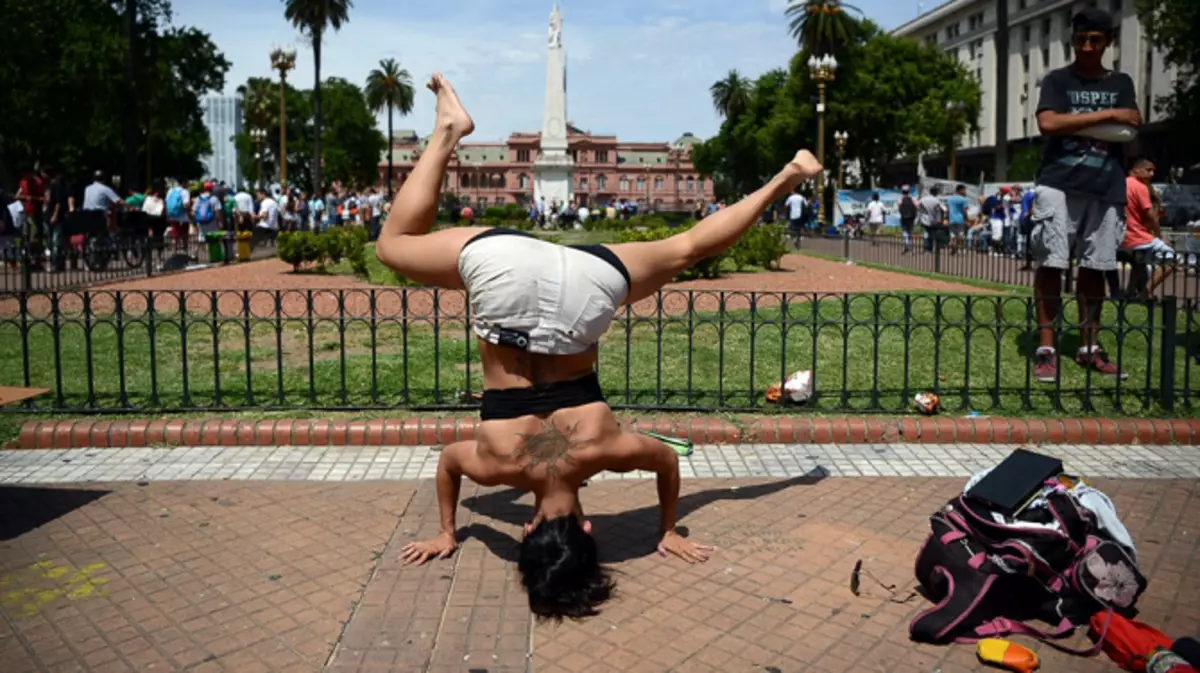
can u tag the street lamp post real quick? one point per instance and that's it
(840, 137)
(283, 59)
(823, 70)
(953, 110)
(259, 136)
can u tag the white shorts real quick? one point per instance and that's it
(560, 299)
(1156, 249)
(997, 229)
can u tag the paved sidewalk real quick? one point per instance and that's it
(221, 574)
(369, 463)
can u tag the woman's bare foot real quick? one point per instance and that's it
(452, 117)
(802, 167)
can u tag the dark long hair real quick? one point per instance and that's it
(561, 571)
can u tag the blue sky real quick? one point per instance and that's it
(637, 68)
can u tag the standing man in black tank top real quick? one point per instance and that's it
(538, 310)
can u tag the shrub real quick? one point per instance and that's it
(762, 246)
(327, 247)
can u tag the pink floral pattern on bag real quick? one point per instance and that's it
(1116, 583)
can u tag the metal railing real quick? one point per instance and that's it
(111, 351)
(963, 259)
(90, 253)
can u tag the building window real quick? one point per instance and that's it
(975, 21)
(601, 182)
(602, 156)
(691, 184)
(498, 181)
(678, 183)
(641, 184)
(624, 183)
(523, 155)
(583, 183)
(658, 184)
(1025, 63)
(1045, 57)
(1046, 27)
(1067, 51)
(952, 31)
(523, 181)
(1021, 5)
(1027, 34)
(575, 156)
(464, 180)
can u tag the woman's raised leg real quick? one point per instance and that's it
(405, 244)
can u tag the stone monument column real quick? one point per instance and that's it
(554, 170)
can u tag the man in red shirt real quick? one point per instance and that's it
(1142, 230)
(31, 191)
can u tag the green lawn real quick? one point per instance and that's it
(872, 353)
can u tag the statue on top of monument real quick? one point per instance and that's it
(555, 28)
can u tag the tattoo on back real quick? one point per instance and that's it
(547, 447)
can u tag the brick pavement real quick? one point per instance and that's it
(267, 583)
(178, 576)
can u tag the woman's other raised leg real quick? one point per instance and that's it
(652, 264)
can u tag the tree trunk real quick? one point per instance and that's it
(389, 142)
(318, 185)
(129, 127)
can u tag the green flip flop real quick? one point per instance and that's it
(683, 447)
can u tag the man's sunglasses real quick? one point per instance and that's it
(1090, 40)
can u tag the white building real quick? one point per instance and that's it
(1011, 44)
(223, 117)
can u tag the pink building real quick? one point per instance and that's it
(655, 175)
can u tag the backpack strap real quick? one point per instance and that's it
(1002, 626)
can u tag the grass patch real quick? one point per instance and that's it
(869, 353)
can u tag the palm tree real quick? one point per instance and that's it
(389, 86)
(313, 17)
(822, 26)
(731, 96)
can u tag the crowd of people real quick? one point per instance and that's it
(46, 221)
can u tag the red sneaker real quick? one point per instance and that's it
(1045, 367)
(1098, 361)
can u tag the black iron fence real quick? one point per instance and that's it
(109, 351)
(93, 251)
(967, 258)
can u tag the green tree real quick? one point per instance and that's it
(353, 143)
(1171, 27)
(389, 86)
(731, 95)
(890, 95)
(63, 64)
(313, 18)
(822, 26)
(260, 110)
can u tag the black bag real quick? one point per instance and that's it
(908, 208)
(988, 579)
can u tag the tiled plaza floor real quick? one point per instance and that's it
(250, 562)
